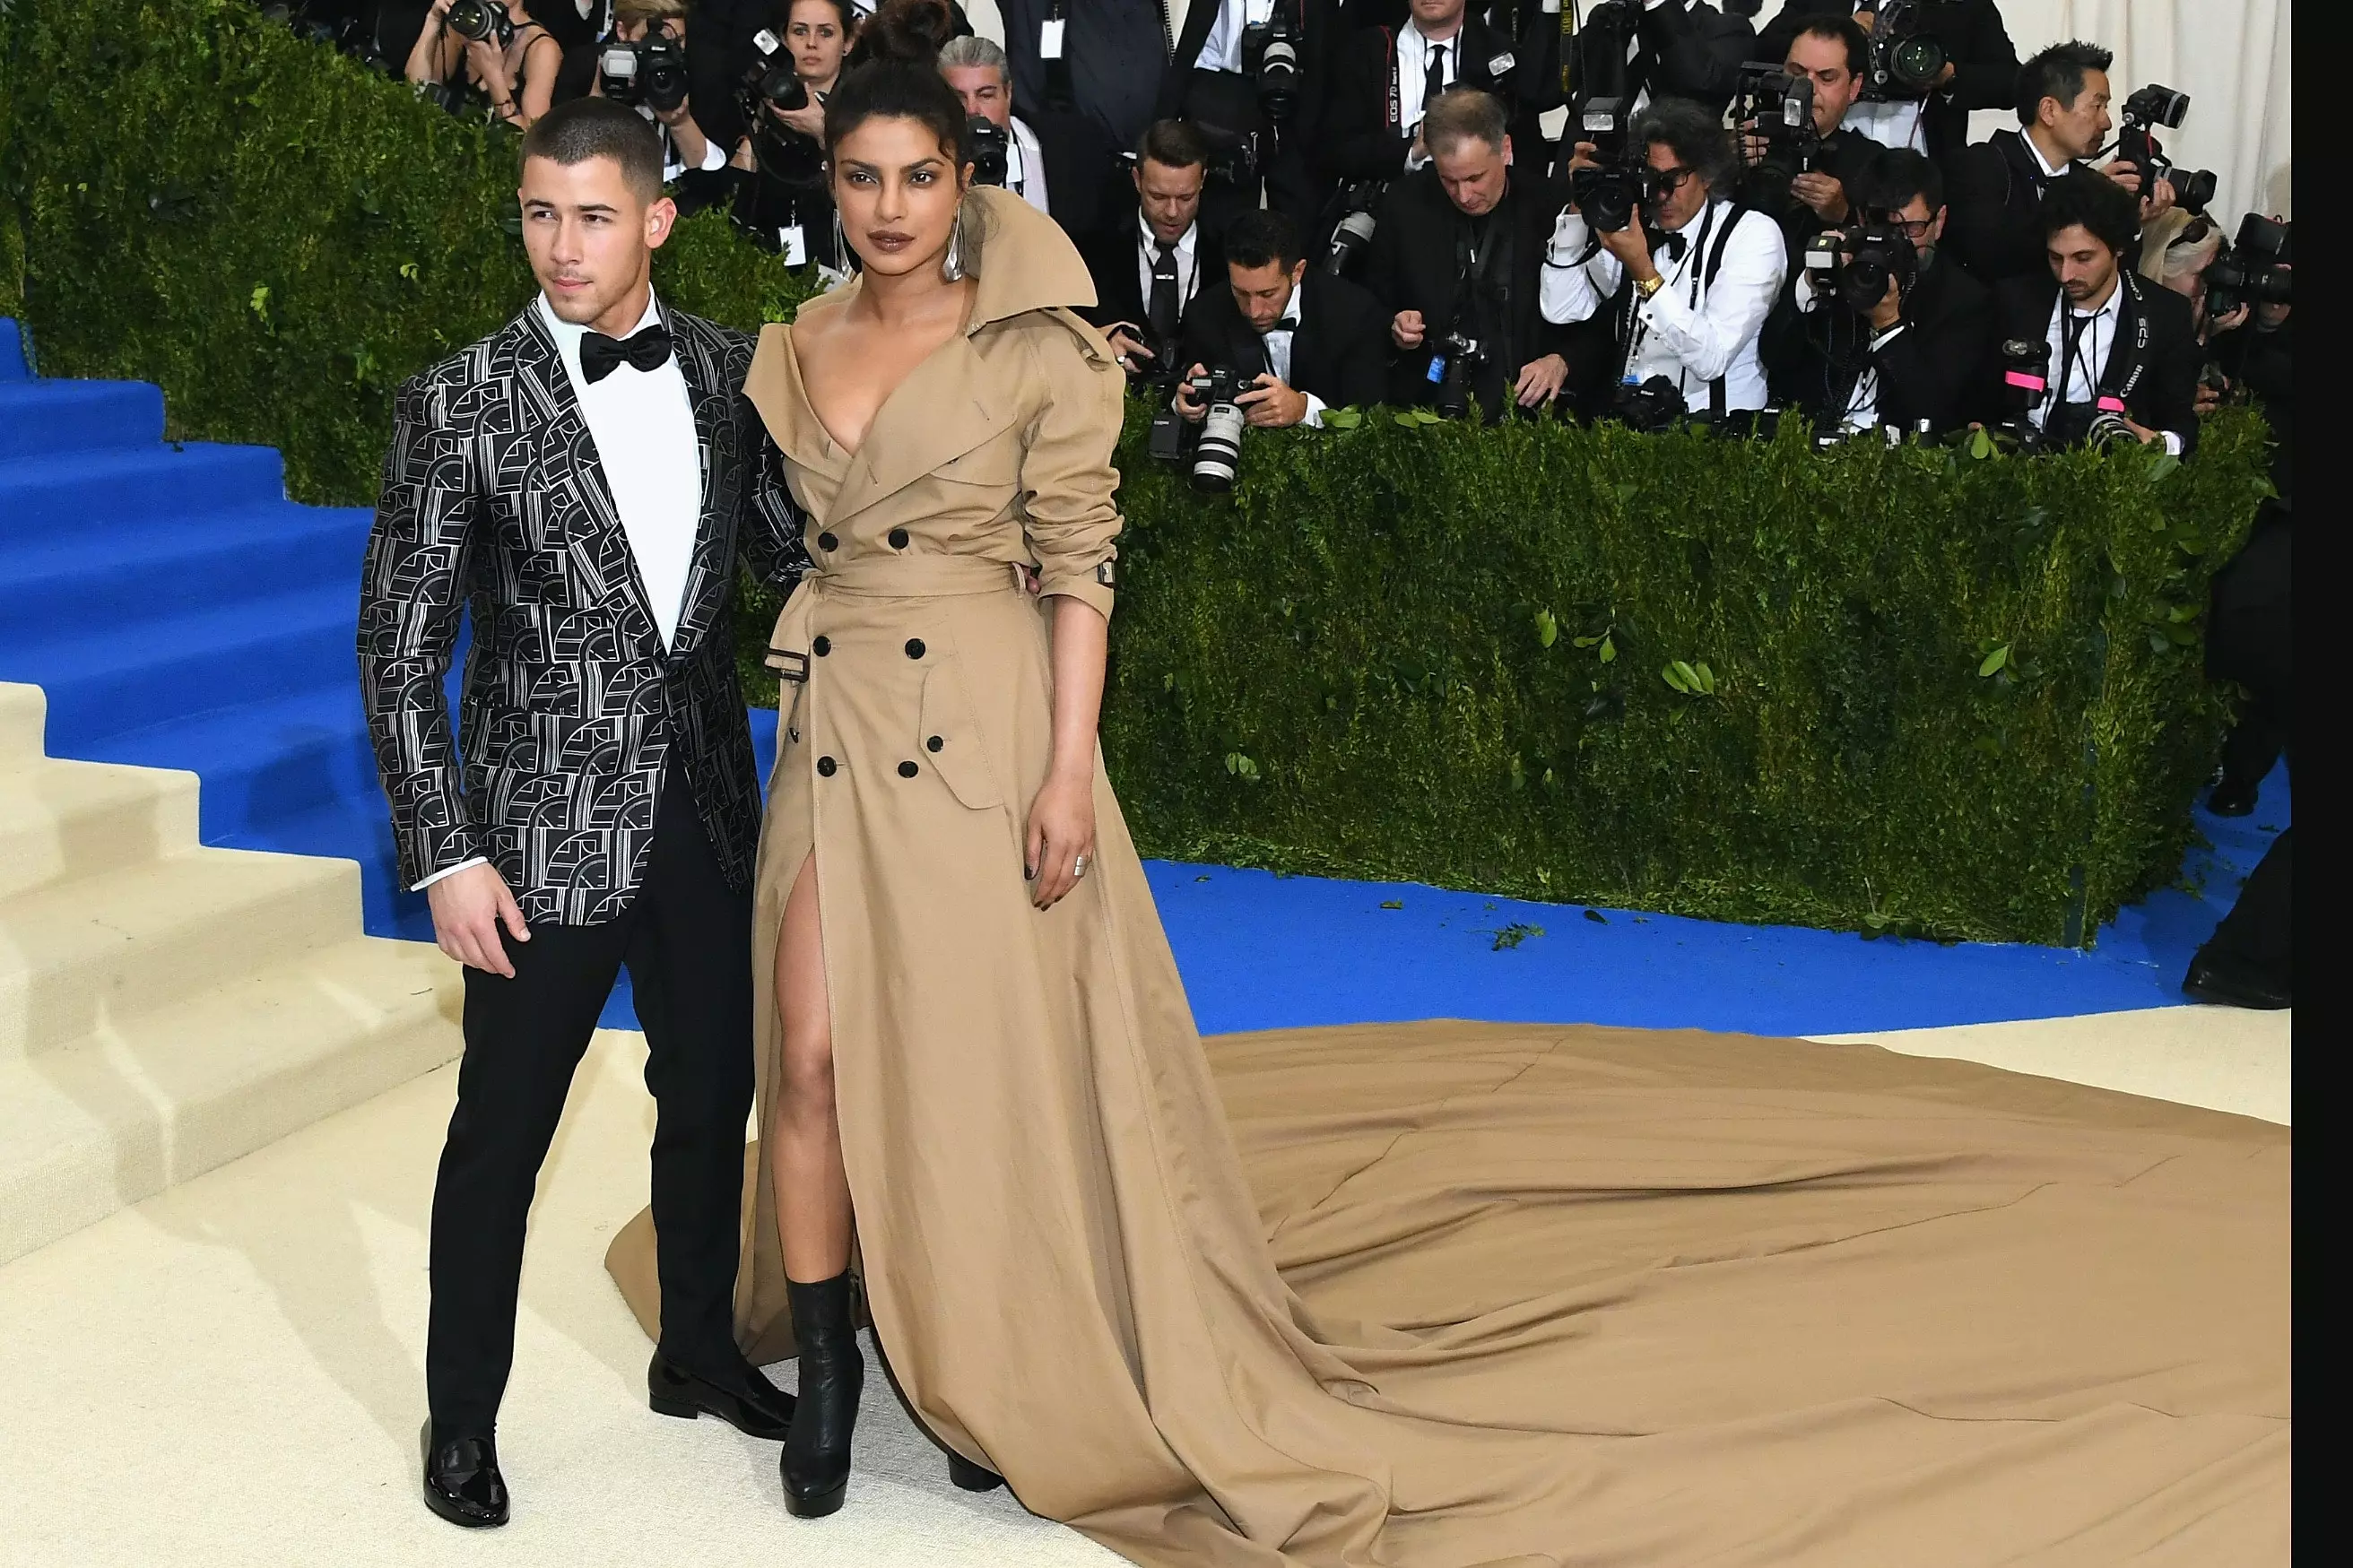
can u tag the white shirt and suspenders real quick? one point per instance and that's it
(642, 424)
(1025, 165)
(1691, 331)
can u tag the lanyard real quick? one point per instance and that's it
(1638, 331)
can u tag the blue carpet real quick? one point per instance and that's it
(181, 613)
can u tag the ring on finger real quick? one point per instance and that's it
(1078, 866)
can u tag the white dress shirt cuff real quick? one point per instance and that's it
(450, 871)
(1314, 418)
(713, 155)
(2172, 441)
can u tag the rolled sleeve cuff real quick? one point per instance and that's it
(1091, 586)
(465, 865)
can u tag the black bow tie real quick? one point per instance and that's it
(1674, 244)
(601, 355)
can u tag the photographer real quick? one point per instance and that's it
(1300, 349)
(1060, 164)
(1382, 81)
(2119, 347)
(1456, 258)
(493, 49)
(1148, 262)
(1885, 344)
(1830, 55)
(1685, 277)
(1256, 120)
(1100, 51)
(1995, 186)
(1979, 70)
(782, 201)
(643, 65)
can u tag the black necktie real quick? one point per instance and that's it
(1435, 82)
(2072, 328)
(1162, 308)
(601, 355)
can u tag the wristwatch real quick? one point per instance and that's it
(1646, 287)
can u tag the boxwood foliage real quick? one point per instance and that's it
(1915, 691)
(274, 233)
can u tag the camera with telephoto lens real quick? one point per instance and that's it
(1271, 54)
(1778, 108)
(990, 145)
(480, 22)
(2256, 269)
(1652, 403)
(652, 71)
(2153, 106)
(1855, 263)
(1905, 57)
(2025, 375)
(1218, 450)
(1607, 196)
(1353, 235)
(1455, 357)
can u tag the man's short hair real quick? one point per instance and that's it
(972, 49)
(1894, 176)
(589, 128)
(1697, 137)
(1175, 144)
(1261, 236)
(649, 10)
(1841, 29)
(2058, 72)
(2100, 205)
(1463, 114)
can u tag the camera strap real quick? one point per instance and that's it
(1396, 104)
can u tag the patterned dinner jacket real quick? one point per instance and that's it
(572, 709)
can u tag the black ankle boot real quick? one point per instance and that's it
(971, 1478)
(816, 1462)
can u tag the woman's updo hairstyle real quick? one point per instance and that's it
(894, 74)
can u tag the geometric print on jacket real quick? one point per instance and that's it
(571, 711)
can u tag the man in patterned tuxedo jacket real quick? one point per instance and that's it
(582, 479)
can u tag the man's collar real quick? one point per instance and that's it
(1185, 241)
(1290, 317)
(2035, 151)
(2105, 307)
(1696, 219)
(1461, 23)
(567, 334)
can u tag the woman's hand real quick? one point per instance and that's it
(486, 64)
(1062, 829)
(808, 120)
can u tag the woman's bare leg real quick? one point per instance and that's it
(805, 1142)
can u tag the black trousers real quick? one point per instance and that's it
(687, 939)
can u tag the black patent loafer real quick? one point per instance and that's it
(971, 1478)
(2232, 797)
(744, 1399)
(462, 1483)
(2215, 980)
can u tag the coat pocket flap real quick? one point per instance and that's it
(950, 739)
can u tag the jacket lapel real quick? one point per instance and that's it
(596, 547)
(705, 373)
(937, 414)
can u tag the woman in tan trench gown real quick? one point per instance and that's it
(1503, 1297)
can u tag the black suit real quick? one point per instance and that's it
(1985, 63)
(1994, 191)
(1111, 255)
(1109, 47)
(2164, 395)
(609, 781)
(1339, 352)
(1935, 369)
(1356, 141)
(1845, 155)
(1415, 264)
(1229, 101)
(1081, 170)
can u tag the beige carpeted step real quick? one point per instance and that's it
(166, 1008)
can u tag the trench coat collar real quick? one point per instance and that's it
(953, 401)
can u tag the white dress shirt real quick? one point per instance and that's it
(1221, 50)
(1025, 165)
(1688, 331)
(2095, 340)
(1413, 77)
(1278, 340)
(1898, 123)
(1189, 271)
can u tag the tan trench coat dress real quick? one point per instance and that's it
(1503, 1297)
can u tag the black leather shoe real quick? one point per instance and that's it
(973, 1477)
(816, 1461)
(462, 1483)
(2217, 979)
(2231, 798)
(742, 1397)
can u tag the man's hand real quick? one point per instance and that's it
(1753, 147)
(1890, 309)
(694, 146)
(2208, 399)
(2230, 321)
(1405, 330)
(1822, 193)
(2144, 432)
(1191, 409)
(1126, 343)
(2158, 198)
(469, 906)
(1582, 156)
(1270, 404)
(1540, 381)
(2125, 172)
(1632, 247)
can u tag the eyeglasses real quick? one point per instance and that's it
(1671, 180)
(1915, 228)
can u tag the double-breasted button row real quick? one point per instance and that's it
(934, 744)
(908, 770)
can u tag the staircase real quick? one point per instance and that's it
(166, 1008)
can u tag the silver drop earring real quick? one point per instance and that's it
(841, 243)
(952, 263)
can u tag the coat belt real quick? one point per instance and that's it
(881, 577)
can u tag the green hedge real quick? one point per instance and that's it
(1909, 690)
